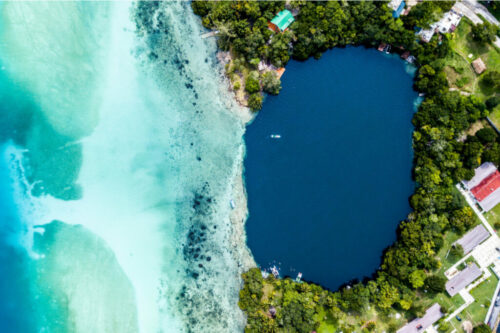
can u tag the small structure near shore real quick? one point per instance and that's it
(383, 47)
(281, 21)
(478, 66)
(279, 72)
(408, 57)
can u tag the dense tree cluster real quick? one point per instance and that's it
(492, 80)
(425, 14)
(443, 155)
(484, 33)
(482, 328)
(271, 83)
(243, 27)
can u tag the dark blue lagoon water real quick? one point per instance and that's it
(326, 198)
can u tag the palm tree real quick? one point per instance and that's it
(225, 34)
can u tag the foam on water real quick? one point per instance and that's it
(129, 167)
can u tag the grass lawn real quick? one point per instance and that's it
(327, 325)
(476, 312)
(463, 45)
(495, 116)
(482, 295)
(446, 260)
(382, 322)
(493, 216)
(459, 70)
(455, 324)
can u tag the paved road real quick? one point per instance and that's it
(481, 10)
(467, 10)
(493, 310)
(476, 210)
(471, 9)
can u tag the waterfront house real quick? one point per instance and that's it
(478, 66)
(426, 34)
(281, 21)
(279, 72)
(448, 23)
(473, 238)
(418, 325)
(463, 279)
(408, 57)
(397, 7)
(485, 186)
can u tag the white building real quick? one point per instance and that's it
(448, 23)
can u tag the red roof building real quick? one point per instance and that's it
(485, 186)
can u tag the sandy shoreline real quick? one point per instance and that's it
(239, 214)
(238, 219)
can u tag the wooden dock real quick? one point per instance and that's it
(210, 34)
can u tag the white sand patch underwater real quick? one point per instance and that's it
(132, 150)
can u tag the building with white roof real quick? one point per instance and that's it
(448, 23)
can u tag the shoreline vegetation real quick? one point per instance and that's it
(410, 277)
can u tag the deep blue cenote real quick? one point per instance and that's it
(326, 198)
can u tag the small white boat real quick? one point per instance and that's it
(299, 277)
(232, 204)
(275, 136)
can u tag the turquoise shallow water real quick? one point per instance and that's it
(119, 154)
(14, 290)
(326, 198)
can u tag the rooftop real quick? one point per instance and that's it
(394, 4)
(427, 34)
(479, 66)
(449, 22)
(418, 325)
(473, 238)
(463, 279)
(487, 186)
(283, 19)
(491, 200)
(481, 172)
